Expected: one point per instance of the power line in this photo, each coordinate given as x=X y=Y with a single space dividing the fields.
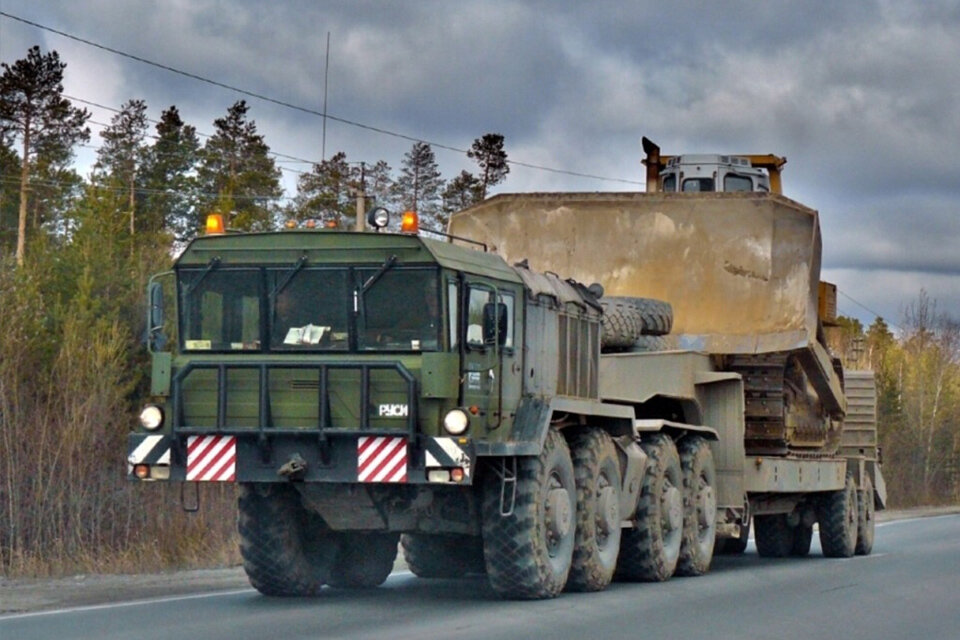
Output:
x=868 y=309
x=314 y=112
x=151 y=120
x=14 y=179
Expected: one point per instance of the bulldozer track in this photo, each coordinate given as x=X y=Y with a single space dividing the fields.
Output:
x=779 y=417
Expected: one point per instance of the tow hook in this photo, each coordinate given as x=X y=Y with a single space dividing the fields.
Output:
x=294 y=468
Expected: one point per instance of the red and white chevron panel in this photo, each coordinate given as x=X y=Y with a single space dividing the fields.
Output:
x=212 y=458
x=382 y=459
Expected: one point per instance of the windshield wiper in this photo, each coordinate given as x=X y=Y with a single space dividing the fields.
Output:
x=358 y=294
x=299 y=264
x=372 y=280
x=213 y=264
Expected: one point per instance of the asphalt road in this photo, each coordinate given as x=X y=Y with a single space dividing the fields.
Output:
x=908 y=588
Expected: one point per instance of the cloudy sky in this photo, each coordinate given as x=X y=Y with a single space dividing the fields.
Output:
x=863 y=98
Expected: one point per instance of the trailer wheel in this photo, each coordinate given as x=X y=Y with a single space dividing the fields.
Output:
x=528 y=552
x=802 y=537
x=865 y=509
x=774 y=535
x=442 y=556
x=650 y=550
x=621 y=324
x=656 y=316
x=597 y=472
x=700 y=507
x=837 y=513
x=287 y=551
x=364 y=560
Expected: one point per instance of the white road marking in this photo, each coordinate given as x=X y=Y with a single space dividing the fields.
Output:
x=150 y=601
x=129 y=603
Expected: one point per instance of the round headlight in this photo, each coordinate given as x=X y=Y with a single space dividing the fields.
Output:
x=378 y=218
x=151 y=417
x=456 y=422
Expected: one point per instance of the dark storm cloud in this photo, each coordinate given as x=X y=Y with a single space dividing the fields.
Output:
x=863 y=98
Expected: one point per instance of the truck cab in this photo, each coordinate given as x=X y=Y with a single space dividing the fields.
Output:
x=289 y=349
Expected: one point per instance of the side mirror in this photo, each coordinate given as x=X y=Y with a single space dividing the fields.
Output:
x=495 y=323
x=156 y=340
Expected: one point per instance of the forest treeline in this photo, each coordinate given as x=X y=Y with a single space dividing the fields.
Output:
x=75 y=255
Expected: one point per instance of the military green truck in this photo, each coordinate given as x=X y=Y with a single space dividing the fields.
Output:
x=490 y=416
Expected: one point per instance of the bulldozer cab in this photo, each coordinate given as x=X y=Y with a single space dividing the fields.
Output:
x=705 y=173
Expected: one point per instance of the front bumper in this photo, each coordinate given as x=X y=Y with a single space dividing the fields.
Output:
x=341 y=457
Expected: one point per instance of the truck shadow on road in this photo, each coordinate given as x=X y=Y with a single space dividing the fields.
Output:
x=405 y=589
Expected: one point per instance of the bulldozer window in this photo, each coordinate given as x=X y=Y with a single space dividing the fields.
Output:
x=733 y=182
x=696 y=185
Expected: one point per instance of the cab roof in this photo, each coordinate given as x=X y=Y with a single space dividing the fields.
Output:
x=339 y=247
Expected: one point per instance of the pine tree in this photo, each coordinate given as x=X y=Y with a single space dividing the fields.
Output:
x=461 y=192
x=488 y=152
x=419 y=185
x=328 y=192
x=123 y=153
x=9 y=166
x=379 y=186
x=33 y=109
x=171 y=202
x=236 y=175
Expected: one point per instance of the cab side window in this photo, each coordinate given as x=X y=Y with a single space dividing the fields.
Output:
x=475 y=303
x=480 y=302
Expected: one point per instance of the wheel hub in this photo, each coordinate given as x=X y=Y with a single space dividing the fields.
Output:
x=608 y=511
x=559 y=514
x=673 y=508
x=706 y=507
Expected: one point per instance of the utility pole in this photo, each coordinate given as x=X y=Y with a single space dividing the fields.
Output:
x=326 y=73
x=362 y=200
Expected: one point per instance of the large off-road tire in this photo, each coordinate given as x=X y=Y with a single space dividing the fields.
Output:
x=287 y=551
x=656 y=316
x=650 y=550
x=529 y=552
x=364 y=560
x=596 y=468
x=733 y=546
x=621 y=324
x=773 y=535
x=442 y=556
x=837 y=514
x=802 y=537
x=700 y=507
x=867 y=515
x=645 y=344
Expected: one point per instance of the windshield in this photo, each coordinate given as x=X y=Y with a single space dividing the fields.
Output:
x=221 y=309
x=310 y=311
x=400 y=310
x=296 y=308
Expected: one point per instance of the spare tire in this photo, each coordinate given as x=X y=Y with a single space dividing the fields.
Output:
x=649 y=343
x=622 y=324
x=656 y=316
